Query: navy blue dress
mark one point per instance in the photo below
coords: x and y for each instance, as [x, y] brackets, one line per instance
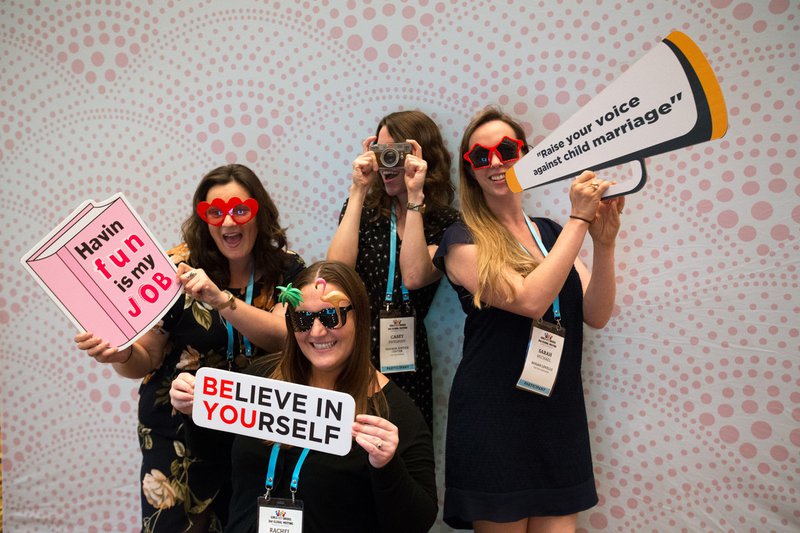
[510, 453]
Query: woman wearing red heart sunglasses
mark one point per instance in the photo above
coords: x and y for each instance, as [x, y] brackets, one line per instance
[389, 228]
[517, 450]
[233, 259]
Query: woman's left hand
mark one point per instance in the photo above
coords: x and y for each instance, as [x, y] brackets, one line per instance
[605, 227]
[415, 170]
[199, 286]
[378, 437]
[181, 393]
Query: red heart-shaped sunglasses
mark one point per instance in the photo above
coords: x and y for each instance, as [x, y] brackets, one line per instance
[241, 211]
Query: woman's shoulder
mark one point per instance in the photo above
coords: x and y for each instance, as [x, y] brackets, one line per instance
[439, 219]
[293, 264]
[179, 254]
[458, 233]
[293, 258]
[446, 215]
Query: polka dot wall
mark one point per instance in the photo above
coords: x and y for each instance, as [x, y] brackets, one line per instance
[693, 389]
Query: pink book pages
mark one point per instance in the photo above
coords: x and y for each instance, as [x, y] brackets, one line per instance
[105, 271]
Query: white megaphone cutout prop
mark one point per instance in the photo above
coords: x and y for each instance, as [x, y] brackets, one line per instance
[667, 100]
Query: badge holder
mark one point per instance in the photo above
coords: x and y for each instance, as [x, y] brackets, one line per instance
[545, 345]
[543, 358]
[397, 348]
[281, 514]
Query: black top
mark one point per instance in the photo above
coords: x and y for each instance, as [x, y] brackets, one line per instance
[197, 337]
[345, 493]
[511, 453]
[372, 264]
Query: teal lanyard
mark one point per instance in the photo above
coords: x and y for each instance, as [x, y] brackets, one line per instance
[392, 265]
[556, 305]
[273, 461]
[248, 348]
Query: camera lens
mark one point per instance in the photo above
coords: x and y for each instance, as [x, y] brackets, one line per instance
[390, 157]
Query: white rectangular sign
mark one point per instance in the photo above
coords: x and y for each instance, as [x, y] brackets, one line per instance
[278, 411]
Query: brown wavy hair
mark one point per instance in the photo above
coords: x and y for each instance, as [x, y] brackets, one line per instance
[439, 191]
[497, 248]
[269, 251]
[358, 378]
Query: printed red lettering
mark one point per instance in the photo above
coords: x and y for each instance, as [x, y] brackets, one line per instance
[149, 293]
[210, 408]
[210, 386]
[226, 389]
[228, 409]
[162, 280]
[252, 421]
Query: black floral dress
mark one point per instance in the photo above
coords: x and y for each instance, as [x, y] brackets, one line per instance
[372, 264]
[181, 491]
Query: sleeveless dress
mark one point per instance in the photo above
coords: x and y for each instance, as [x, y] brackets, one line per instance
[511, 453]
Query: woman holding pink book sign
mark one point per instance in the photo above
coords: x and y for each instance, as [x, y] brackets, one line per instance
[233, 259]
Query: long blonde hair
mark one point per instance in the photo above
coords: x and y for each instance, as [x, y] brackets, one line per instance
[497, 247]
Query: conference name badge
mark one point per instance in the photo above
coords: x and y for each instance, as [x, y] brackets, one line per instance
[278, 515]
[543, 359]
[396, 342]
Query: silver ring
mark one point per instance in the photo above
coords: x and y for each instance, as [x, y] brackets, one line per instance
[191, 274]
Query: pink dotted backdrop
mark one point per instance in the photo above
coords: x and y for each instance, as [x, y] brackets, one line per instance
[692, 389]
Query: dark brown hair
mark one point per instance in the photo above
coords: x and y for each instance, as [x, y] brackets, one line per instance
[439, 191]
[269, 249]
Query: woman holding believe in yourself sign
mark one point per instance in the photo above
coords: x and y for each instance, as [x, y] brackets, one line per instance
[387, 481]
[234, 242]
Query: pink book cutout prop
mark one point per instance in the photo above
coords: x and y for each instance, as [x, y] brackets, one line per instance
[105, 271]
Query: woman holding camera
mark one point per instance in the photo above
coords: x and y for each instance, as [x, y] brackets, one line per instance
[390, 227]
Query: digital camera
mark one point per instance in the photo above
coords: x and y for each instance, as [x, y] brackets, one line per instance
[391, 156]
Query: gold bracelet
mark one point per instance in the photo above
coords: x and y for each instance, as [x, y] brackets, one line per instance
[419, 208]
[230, 303]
